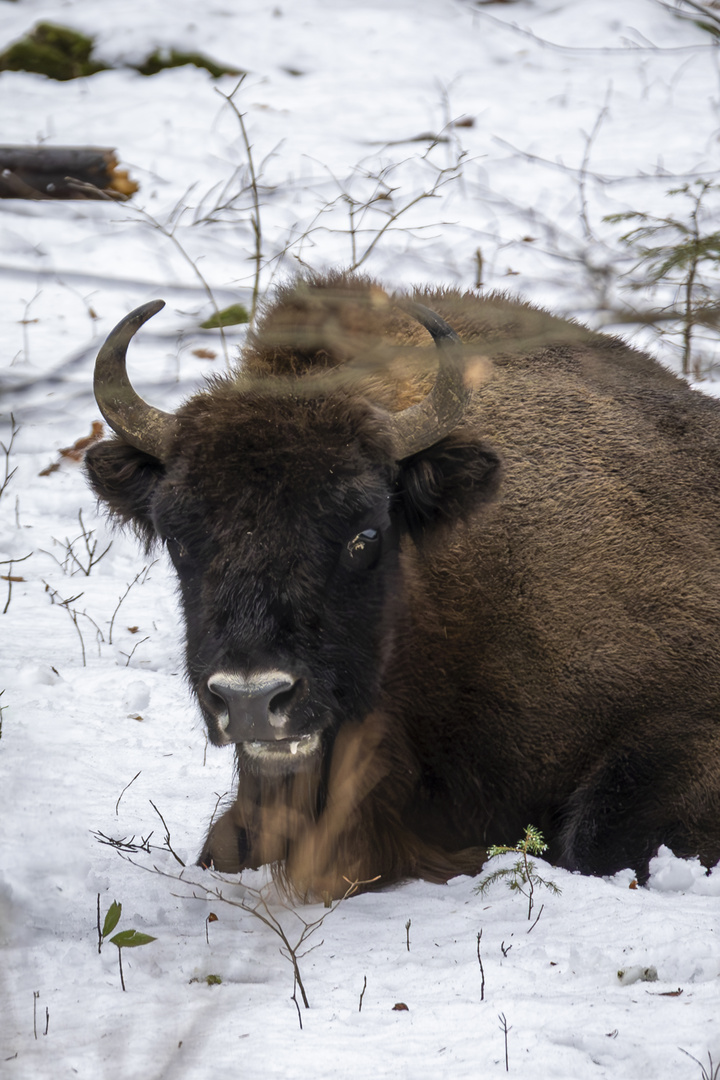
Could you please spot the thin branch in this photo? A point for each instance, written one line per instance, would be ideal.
(702, 9)
(482, 970)
(7, 450)
(74, 615)
(362, 993)
(135, 646)
(587, 228)
(134, 580)
(117, 804)
(294, 998)
(255, 216)
(10, 577)
(714, 1072)
(123, 844)
(168, 845)
(505, 1029)
(169, 233)
(257, 905)
(603, 50)
(542, 907)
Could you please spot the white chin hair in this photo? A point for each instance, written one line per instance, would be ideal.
(287, 751)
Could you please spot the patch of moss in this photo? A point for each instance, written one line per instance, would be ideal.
(54, 51)
(229, 316)
(162, 59)
(62, 53)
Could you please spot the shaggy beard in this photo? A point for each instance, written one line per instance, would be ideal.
(335, 826)
(310, 823)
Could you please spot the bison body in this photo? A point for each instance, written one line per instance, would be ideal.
(418, 646)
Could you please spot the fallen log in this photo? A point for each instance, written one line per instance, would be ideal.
(63, 172)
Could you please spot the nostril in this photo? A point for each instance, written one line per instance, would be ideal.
(218, 695)
(215, 692)
(283, 701)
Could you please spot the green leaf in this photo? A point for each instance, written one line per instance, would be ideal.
(229, 316)
(130, 939)
(112, 918)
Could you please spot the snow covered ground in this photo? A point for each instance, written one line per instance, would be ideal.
(579, 108)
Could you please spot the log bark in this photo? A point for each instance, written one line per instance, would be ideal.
(63, 172)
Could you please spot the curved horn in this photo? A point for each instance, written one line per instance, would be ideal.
(444, 407)
(128, 415)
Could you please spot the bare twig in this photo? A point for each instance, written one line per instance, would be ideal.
(123, 844)
(74, 615)
(688, 320)
(590, 50)
(537, 919)
(168, 845)
(169, 233)
(713, 1073)
(294, 998)
(132, 652)
(362, 993)
(117, 804)
(144, 572)
(255, 902)
(505, 1029)
(71, 556)
(217, 803)
(582, 178)
(255, 215)
(7, 450)
(372, 212)
(702, 9)
(444, 176)
(90, 549)
(482, 970)
(10, 577)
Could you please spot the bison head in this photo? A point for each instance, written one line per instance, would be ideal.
(285, 505)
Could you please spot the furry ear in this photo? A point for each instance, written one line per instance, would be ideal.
(447, 482)
(124, 479)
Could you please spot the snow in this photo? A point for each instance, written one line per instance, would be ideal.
(580, 109)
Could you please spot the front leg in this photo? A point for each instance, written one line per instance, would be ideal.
(226, 848)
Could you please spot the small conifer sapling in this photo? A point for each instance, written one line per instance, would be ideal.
(521, 876)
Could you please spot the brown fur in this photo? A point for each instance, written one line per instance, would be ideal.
(550, 657)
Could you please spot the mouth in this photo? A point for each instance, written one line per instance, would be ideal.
(288, 751)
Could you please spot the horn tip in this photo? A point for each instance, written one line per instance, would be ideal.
(151, 308)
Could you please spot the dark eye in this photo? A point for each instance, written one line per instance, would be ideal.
(363, 551)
